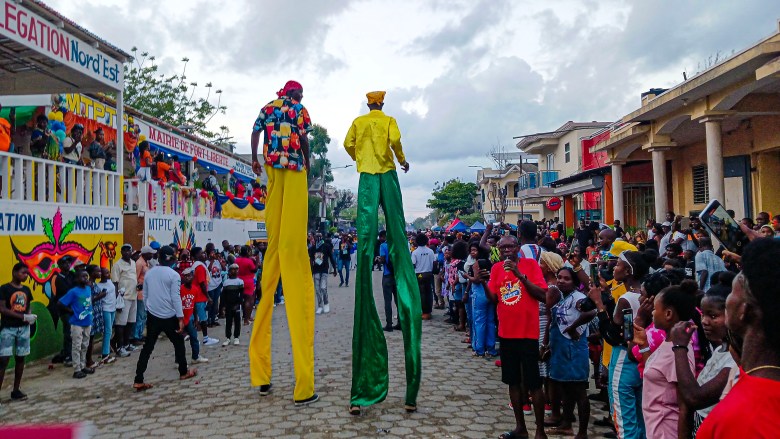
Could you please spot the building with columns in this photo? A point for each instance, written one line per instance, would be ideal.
(714, 136)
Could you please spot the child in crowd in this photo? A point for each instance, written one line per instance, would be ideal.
(105, 286)
(98, 325)
(78, 301)
(15, 302)
(188, 295)
(483, 311)
(232, 289)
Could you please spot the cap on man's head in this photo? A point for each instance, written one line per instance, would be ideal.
(376, 97)
(188, 270)
(127, 247)
(155, 245)
(666, 224)
(232, 266)
(77, 126)
(290, 85)
(147, 249)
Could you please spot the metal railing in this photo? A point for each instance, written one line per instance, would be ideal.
(168, 199)
(535, 180)
(35, 180)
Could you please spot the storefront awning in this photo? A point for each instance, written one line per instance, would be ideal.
(588, 184)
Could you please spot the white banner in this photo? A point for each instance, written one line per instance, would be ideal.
(197, 232)
(29, 29)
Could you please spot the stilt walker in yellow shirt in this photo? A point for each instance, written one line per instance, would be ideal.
(371, 141)
(284, 124)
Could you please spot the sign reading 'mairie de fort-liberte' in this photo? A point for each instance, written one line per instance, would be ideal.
(31, 30)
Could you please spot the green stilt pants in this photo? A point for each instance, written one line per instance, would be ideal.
(369, 348)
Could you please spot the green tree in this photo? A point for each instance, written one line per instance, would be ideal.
(318, 145)
(174, 98)
(471, 218)
(314, 212)
(453, 197)
(345, 199)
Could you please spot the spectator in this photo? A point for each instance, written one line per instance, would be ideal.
(97, 150)
(707, 264)
(145, 167)
(232, 292)
(15, 301)
(109, 314)
(165, 315)
(72, 147)
(422, 259)
(79, 302)
(125, 279)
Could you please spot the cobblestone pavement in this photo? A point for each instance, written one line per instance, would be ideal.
(461, 396)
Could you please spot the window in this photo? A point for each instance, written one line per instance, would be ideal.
(483, 195)
(550, 162)
(567, 152)
(701, 190)
(517, 190)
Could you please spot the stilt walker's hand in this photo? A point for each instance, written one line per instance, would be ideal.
(405, 167)
(257, 167)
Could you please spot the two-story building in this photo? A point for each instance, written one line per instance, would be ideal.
(564, 171)
(499, 191)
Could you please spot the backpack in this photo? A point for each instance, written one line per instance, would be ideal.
(207, 184)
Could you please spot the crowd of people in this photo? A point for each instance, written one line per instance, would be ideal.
(677, 343)
(125, 308)
(662, 322)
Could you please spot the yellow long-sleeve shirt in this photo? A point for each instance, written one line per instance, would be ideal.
(371, 141)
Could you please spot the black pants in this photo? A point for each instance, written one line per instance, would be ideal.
(391, 295)
(232, 319)
(67, 343)
(425, 282)
(155, 326)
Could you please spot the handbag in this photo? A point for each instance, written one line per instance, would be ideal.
(120, 302)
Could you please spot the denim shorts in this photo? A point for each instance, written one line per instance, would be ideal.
(15, 339)
(200, 311)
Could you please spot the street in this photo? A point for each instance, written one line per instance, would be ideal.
(460, 396)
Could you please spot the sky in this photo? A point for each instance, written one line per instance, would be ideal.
(461, 77)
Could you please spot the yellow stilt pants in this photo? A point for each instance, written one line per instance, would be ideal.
(286, 214)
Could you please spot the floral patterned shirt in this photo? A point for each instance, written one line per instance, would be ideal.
(284, 121)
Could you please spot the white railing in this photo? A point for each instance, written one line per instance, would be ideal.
(169, 199)
(31, 179)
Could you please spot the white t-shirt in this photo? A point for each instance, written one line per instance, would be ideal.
(75, 155)
(214, 270)
(422, 259)
(109, 302)
(123, 274)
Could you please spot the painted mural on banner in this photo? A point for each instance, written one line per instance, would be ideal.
(40, 238)
(96, 110)
(29, 29)
(194, 231)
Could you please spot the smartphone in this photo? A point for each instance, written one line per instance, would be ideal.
(685, 223)
(628, 325)
(723, 227)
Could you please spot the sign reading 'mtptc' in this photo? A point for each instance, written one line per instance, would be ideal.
(29, 29)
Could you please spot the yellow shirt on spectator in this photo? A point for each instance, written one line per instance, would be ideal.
(371, 141)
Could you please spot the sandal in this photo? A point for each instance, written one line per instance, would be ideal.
(354, 410)
(410, 408)
(140, 387)
(190, 374)
(511, 435)
(558, 431)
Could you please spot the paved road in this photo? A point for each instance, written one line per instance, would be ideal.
(461, 396)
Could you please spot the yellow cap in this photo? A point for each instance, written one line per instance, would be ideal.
(376, 97)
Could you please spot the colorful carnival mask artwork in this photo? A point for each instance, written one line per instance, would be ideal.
(42, 261)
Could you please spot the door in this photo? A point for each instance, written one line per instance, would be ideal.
(736, 173)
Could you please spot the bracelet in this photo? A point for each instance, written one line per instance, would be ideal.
(647, 349)
(679, 346)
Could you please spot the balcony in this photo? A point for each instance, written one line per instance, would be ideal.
(536, 184)
(26, 179)
(151, 197)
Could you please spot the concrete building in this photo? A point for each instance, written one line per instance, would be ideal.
(499, 193)
(566, 170)
(714, 136)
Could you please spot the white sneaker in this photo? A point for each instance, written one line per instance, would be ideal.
(236, 342)
(281, 302)
(326, 308)
(226, 342)
(201, 359)
(208, 341)
(186, 338)
(131, 348)
(123, 353)
(319, 310)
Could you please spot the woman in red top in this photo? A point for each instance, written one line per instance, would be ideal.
(752, 407)
(246, 272)
(240, 189)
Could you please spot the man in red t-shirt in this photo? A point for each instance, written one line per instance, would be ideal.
(189, 293)
(202, 300)
(517, 286)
